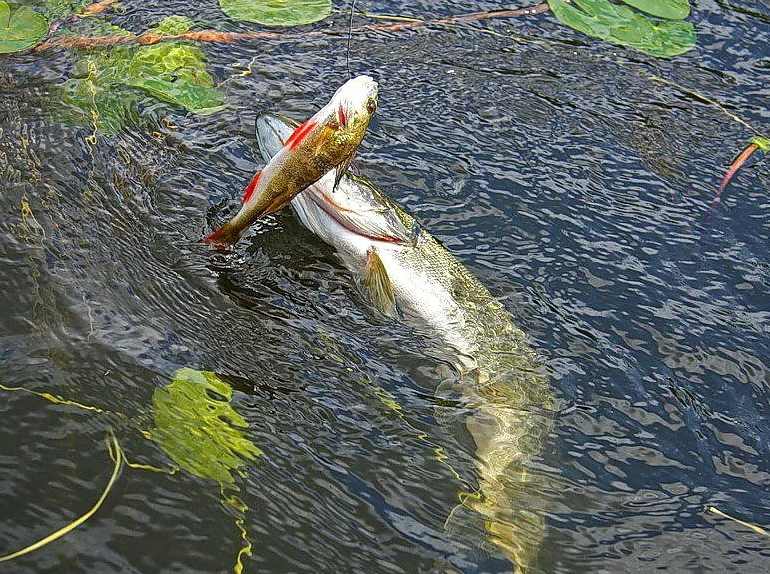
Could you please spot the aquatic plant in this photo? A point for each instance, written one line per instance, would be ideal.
(663, 35)
(21, 28)
(277, 12)
(197, 427)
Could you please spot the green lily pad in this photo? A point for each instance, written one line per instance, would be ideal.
(21, 29)
(197, 427)
(277, 12)
(668, 9)
(622, 25)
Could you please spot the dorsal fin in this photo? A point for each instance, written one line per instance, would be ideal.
(299, 134)
(249, 191)
(376, 279)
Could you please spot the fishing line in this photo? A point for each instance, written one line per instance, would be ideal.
(350, 37)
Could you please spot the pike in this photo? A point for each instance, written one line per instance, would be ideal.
(506, 400)
(327, 141)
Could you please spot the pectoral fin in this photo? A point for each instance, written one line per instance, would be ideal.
(376, 279)
(342, 168)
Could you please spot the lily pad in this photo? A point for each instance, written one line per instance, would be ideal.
(197, 427)
(20, 29)
(622, 25)
(277, 12)
(668, 9)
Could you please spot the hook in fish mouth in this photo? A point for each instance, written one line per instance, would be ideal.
(334, 209)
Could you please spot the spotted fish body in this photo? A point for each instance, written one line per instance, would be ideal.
(327, 141)
(506, 400)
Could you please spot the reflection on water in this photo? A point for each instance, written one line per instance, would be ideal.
(572, 185)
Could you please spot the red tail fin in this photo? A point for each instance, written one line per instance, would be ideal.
(223, 237)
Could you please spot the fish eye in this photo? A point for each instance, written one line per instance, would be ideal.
(333, 123)
(371, 105)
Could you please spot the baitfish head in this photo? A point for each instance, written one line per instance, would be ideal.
(350, 110)
(344, 121)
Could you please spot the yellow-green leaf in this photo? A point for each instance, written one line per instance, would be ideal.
(622, 25)
(277, 12)
(668, 9)
(197, 427)
(20, 29)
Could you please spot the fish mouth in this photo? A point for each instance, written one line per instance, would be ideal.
(334, 210)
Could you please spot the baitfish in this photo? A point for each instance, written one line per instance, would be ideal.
(327, 141)
(505, 400)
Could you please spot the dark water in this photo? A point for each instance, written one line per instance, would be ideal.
(573, 185)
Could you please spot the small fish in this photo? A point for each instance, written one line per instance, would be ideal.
(327, 141)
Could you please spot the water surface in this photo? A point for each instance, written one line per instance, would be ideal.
(576, 187)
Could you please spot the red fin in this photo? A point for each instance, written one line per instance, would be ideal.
(216, 237)
(299, 134)
(249, 191)
(342, 117)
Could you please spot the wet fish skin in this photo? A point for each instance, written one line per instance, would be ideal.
(507, 402)
(326, 141)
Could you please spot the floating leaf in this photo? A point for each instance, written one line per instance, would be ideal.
(626, 27)
(198, 428)
(21, 29)
(668, 9)
(277, 12)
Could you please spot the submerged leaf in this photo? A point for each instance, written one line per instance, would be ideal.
(54, 9)
(196, 98)
(173, 25)
(626, 27)
(175, 72)
(277, 12)
(20, 29)
(197, 427)
(104, 89)
(668, 9)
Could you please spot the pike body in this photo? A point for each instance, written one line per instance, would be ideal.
(508, 399)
